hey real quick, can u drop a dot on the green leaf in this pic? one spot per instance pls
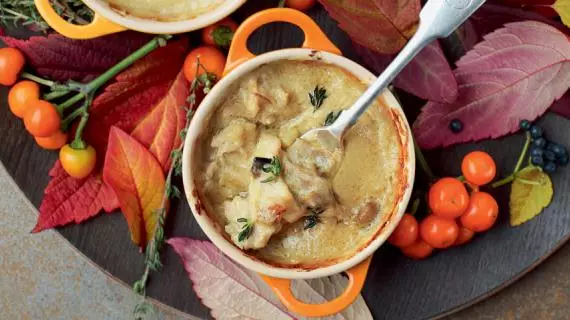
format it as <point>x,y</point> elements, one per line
<point>530,193</point>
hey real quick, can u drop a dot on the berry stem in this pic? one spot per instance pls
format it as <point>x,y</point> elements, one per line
<point>45,82</point>
<point>125,63</point>
<point>78,143</point>
<point>518,166</point>
<point>101,80</point>
<point>55,94</point>
<point>423,163</point>
<point>504,181</point>
<point>523,153</point>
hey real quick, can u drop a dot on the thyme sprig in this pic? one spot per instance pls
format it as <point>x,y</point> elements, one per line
<point>24,12</point>
<point>273,168</point>
<point>317,97</point>
<point>152,252</point>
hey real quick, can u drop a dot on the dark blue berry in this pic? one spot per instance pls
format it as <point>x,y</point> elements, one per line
<point>537,161</point>
<point>550,167</point>
<point>525,125</point>
<point>539,142</point>
<point>549,155</point>
<point>557,149</point>
<point>456,126</point>
<point>536,152</point>
<point>535,132</point>
<point>563,160</point>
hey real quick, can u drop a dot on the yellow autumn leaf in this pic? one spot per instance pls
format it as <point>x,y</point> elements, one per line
<point>530,193</point>
<point>563,9</point>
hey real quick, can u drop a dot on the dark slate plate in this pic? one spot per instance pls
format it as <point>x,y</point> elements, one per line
<point>396,288</point>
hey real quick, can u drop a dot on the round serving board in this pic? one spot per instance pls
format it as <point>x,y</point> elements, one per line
<point>396,287</point>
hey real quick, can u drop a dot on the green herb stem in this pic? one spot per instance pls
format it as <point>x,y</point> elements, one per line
<point>281,4</point>
<point>423,163</point>
<point>152,253</point>
<point>29,76</point>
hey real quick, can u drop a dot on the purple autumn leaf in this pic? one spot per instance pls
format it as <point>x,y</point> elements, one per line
<point>516,73</point>
<point>491,17</point>
<point>428,76</point>
<point>218,281</point>
<point>562,106</point>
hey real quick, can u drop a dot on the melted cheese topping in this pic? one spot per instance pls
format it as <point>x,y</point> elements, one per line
<point>264,114</point>
<point>164,10</point>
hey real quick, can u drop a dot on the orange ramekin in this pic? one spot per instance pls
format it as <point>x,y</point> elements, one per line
<point>108,21</point>
<point>240,62</point>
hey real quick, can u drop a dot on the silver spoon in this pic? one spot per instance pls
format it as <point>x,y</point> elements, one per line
<point>438,19</point>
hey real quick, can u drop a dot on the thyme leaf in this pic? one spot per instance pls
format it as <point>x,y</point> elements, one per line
<point>331,117</point>
<point>273,168</point>
<point>317,97</point>
<point>246,229</point>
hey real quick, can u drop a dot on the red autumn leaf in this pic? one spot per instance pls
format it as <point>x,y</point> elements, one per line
<point>68,200</point>
<point>136,92</point>
<point>383,26</point>
<point>138,180</point>
<point>60,59</point>
<point>428,76</point>
<point>124,103</point>
<point>160,129</point>
<point>516,73</point>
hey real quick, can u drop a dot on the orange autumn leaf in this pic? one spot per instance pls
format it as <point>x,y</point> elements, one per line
<point>160,129</point>
<point>138,180</point>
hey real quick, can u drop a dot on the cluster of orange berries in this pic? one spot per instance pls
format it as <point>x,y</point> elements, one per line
<point>41,118</point>
<point>455,214</point>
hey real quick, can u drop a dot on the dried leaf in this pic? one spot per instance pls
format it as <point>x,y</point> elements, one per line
<point>562,7</point>
<point>125,103</point>
<point>394,21</point>
<point>516,73</point>
<point>428,76</point>
<point>218,280</point>
<point>138,180</point>
<point>160,129</point>
<point>69,200</point>
<point>59,58</point>
<point>530,193</point>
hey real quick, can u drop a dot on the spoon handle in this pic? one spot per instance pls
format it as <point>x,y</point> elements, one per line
<point>438,19</point>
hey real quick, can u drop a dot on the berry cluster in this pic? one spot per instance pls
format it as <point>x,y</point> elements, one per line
<point>544,153</point>
<point>455,215</point>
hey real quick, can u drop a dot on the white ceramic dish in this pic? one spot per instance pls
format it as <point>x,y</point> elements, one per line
<point>241,62</point>
<point>109,21</point>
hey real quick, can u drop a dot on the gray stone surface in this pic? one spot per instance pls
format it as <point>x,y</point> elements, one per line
<point>43,277</point>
